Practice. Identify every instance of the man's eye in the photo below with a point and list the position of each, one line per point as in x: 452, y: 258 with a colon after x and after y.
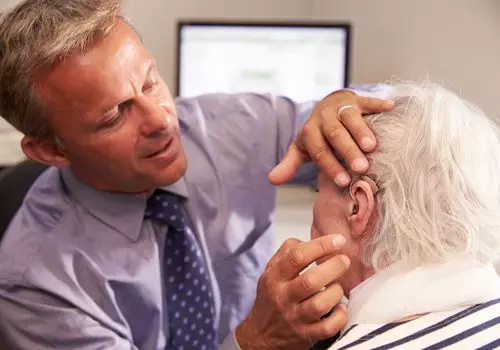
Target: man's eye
x: 112, y: 121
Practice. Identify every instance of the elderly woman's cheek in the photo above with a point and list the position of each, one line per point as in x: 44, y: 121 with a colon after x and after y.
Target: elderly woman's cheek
x: 314, y: 232
x: 316, y: 223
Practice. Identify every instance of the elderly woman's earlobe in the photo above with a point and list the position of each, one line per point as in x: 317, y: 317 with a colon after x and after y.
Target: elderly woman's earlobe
x: 362, y: 204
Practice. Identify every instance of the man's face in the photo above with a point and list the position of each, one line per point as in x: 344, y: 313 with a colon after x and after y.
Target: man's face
x: 115, y: 116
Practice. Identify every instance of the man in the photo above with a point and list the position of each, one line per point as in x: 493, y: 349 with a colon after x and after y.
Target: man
x: 120, y: 245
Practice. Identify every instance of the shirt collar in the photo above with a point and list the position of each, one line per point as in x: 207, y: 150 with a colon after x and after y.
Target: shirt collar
x: 120, y: 211
x: 398, y: 291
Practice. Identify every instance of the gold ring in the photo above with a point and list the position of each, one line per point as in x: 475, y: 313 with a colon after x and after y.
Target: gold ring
x: 343, y: 108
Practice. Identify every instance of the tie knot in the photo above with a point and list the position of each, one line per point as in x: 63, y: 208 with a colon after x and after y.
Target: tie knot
x: 165, y: 207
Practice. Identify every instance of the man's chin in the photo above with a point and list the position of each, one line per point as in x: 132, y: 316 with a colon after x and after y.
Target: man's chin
x: 173, y: 173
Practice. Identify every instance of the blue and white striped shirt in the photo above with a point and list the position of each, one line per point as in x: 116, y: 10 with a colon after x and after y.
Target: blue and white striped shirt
x: 472, y: 327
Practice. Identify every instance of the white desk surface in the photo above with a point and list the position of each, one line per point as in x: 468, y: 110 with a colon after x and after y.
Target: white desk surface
x: 10, y: 149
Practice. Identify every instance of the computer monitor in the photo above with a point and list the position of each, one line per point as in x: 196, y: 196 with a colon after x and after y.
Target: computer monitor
x: 303, y: 61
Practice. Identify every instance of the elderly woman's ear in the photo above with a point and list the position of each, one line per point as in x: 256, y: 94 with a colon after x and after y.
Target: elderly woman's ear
x: 361, y: 207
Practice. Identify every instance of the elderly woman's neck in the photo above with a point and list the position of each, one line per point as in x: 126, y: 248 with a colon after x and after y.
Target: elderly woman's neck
x: 368, y: 272
x: 359, y: 275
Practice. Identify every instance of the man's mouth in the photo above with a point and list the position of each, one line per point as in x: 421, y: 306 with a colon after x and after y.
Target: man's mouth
x: 160, y: 150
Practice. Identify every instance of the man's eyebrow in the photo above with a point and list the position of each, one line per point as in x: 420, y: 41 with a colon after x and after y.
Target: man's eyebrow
x: 151, y: 68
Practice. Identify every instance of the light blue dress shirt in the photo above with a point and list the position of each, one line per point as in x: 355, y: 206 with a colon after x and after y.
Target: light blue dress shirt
x: 81, y: 269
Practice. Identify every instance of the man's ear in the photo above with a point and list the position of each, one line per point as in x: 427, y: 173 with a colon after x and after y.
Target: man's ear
x: 362, y: 206
x: 44, y: 151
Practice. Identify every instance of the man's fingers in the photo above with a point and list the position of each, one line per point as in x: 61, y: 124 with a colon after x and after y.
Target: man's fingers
x: 287, y: 247
x: 288, y: 167
x: 327, y: 327
x: 343, y: 131
x: 318, y: 149
x: 313, y: 280
x: 294, y: 260
x: 312, y: 309
x: 347, y: 132
x: 282, y: 253
x: 352, y: 120
x: 374, y: 105
x: 342, y: 141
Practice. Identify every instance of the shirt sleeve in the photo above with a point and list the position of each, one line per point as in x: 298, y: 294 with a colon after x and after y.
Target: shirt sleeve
x: 230, y: 343
x: 31, y: 319
x: 255, y: 129
x: 266, y: 123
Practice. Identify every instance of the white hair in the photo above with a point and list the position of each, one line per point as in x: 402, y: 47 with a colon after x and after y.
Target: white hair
x: 437, y: 164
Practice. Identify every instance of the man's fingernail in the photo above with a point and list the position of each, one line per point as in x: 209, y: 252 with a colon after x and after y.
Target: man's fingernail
x: 367, y: 143
x: 338, y: 241
x: 387, y: 105
x: 359, y: 165
x: 346, y: 260
x: 342, y: 179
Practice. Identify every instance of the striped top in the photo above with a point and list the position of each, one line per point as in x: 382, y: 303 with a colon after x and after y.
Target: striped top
x: 472, y: 327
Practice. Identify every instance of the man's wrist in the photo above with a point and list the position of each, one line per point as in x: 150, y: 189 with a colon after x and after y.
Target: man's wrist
x: 248, y: 338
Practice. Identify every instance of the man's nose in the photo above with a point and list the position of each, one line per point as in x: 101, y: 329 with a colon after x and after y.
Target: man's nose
x: 155, y: 118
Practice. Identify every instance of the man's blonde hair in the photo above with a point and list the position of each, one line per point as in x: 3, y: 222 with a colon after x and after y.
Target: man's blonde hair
x: 36, y: 34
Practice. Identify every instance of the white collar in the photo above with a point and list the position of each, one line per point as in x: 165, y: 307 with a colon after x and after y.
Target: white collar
x: 396, y: 292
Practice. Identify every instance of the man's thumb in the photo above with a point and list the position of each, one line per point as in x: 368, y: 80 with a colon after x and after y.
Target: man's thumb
x: 288, y: 167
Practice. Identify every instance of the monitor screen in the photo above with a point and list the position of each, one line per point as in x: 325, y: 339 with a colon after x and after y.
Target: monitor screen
x: 300, y: 61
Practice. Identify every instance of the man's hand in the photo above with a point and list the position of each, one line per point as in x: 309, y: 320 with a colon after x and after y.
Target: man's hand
x: 336, y: 122
x: 289, y: 305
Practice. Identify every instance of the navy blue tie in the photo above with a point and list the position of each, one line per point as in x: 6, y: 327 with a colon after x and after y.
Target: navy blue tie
x: 190, y: 302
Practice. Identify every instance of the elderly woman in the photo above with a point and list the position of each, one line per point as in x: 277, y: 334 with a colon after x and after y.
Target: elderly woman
x: 422, y: 228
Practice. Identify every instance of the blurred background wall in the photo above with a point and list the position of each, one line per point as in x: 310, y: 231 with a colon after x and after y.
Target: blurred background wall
x: 454, y: 42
